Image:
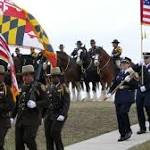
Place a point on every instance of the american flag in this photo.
(145, 12)
(5, 55)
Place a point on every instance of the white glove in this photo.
(12, 121)
(130, 70)
(31, 104)
(108, 95)
(127, 79)
(142, 88)
(60, 118)
(42, 121)
(141, 62)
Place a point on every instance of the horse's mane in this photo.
(62, 54)
(103, 52)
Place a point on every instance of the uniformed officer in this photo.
(29, 107)
(57, 112)
(18, 60)
(6, 106)
(125, 86)
(116, 53)
(94, 49)
(74, 54)
(61, 47)
(17, 50)
(143, 93)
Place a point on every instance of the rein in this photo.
(100, 69)
(69, 59)
(84, 70)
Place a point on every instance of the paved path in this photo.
(108, 141)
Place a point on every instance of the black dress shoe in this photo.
(122, 138)
(141, 132)
(128, 135)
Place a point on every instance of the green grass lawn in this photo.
(144, 146)
(86, 120)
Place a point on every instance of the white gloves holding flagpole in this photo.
(142, 88)
(31, 104)
(60, 118)
(127, 79)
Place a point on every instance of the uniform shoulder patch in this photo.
(43, 87)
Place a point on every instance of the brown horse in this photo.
(71, 71)
(106, 70)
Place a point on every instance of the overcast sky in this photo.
(67, 21)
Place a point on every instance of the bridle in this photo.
(67, 66)
(99, 69)
(85, 69)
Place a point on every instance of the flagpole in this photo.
(141, 19)
(142, 75)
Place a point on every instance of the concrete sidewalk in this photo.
(108, 141)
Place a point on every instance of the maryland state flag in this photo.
(19, 27)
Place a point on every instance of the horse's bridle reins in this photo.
(84, 70)
(69, 59)
(100, 69)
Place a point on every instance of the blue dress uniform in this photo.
(143, 96)
(124, 98)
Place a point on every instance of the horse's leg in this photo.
(103, 91)
(82, 85)
(87, 90)
(94, 90)
(78, 87)
(97, 85)
(108, 87)
(74, 91)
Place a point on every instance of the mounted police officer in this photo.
(124, 86)
(6, 106)
(75, 54)
(57, 112)
(143, 93)
(28, 111)
(116, 53)
(61, 48)
(18, 60)
(33, 55)
(94, 49)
